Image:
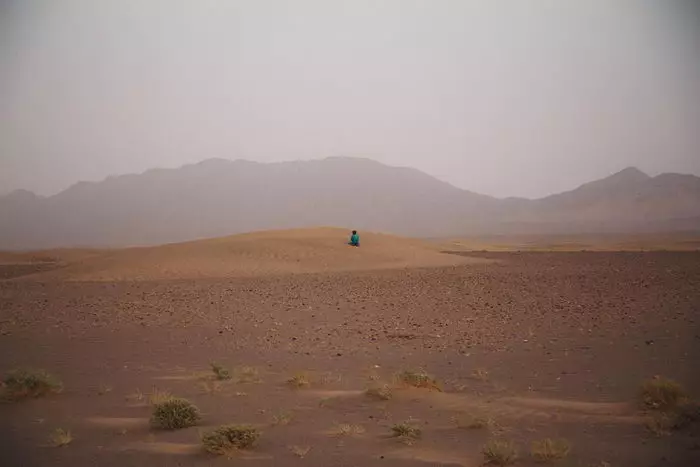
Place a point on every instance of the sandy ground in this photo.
(679, 241)
(250, 255)
(545, 344)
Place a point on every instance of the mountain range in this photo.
(220, 197)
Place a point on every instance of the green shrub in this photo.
(406, 431)
(418, 379)
(500, 453)
(227, 438)
(24, 384)
(174, 413)
(548, 450)
(661, 394)
(220, 373)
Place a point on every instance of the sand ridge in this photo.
(257, 254)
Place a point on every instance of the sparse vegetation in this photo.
(229, 438)
(672, 409)
(346, 429)
(663, 394)
(406, 432)
(60, 437)
(25, 384)
(175, 413)
(300, 451)
(299, 380)
(104, 389)
(663, 423)
(247, 374)
(500, 453)
(480, 374)
(158, 396)
(282, 418)
(548, 450)
(382, 392)
(471, 422)
(220, 373)
(418, 379)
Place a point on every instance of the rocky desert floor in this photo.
(523, 346)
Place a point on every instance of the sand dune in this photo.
(256, 254)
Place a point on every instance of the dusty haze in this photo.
(501, 98)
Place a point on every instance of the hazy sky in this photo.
(499, 97)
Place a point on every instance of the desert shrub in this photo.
(662, 423)
(227, 438)
(418, 379)
(474, 422)
(405, 432)
(23, 384)
(60, 437)
(548, 450)
(220, 373)
(174, 413)
(661, 394)
(500, 453)
(347, 429)
(299, 380)
(382, 392)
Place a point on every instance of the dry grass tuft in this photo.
(300, 451)
(282, 418)
(480, 374)
(104, 389)
(346, 429)
(299, 380)
(229, 438)
(220, 373)
(383, 392)
(25, 384)
(663, 394)
(548, 450)
(158, 396)
(664, 423)
(406, 432)
(60, 437)
(471, 422)
(418, 379)
(500, 453)
(174, 414)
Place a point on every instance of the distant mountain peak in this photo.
(631, 174)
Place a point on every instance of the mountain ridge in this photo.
(220, 160)
(218, 197)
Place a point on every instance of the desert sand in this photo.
(537, 345)
(249, 255)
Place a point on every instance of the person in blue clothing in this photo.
(355, 239)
